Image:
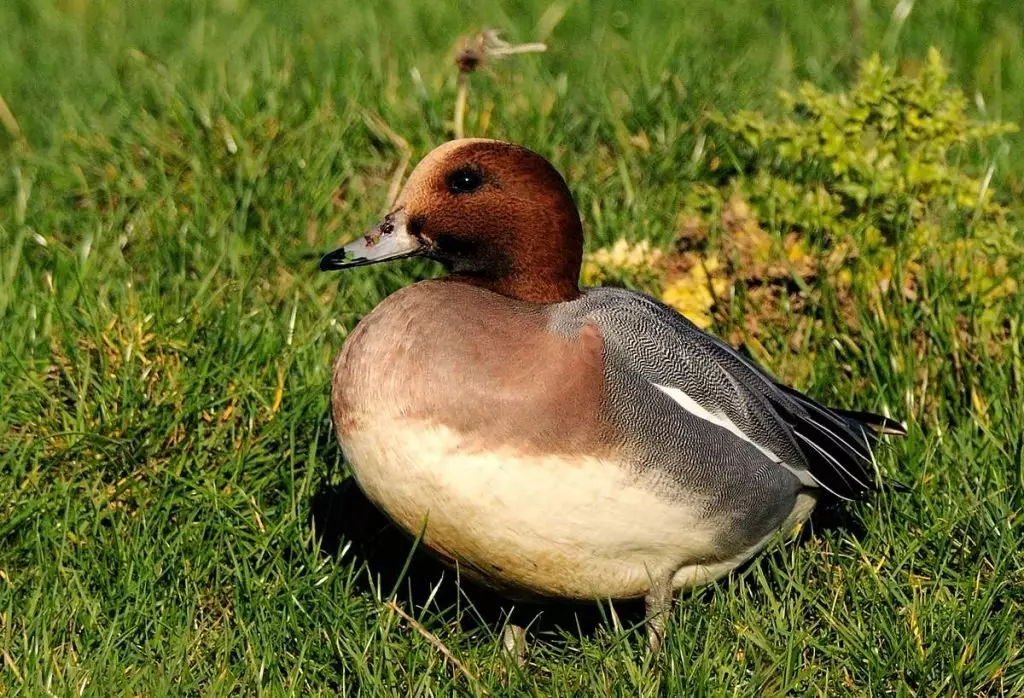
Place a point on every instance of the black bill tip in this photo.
(338, 259)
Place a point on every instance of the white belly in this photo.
(554, 525)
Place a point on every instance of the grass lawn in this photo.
(175, 516)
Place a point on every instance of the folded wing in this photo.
(823, 447)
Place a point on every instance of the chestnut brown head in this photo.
(494, 214)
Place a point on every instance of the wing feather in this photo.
(832, 448)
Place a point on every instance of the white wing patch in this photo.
(721, 420)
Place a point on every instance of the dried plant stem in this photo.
(8, 120)
(536, 47)
(396, 179)
(438, 645)
(378, 124)
(460, 104)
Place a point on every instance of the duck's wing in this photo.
(709, 379)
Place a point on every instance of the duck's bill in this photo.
(388, 240)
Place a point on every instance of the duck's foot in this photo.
(658, 604)
(513, 642)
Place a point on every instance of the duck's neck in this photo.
(536, 290)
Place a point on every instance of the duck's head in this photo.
(496, 215)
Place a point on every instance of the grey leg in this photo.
(658, 604)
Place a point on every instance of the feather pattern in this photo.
(712, 381)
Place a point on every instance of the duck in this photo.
(558, 442)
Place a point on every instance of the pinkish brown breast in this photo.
(480, 364)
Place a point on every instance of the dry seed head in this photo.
(476, 50)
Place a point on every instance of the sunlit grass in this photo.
(166, 463)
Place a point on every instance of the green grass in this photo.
(166, 462)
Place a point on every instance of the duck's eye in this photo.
(465, 181)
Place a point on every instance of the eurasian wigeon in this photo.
(563, 442)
